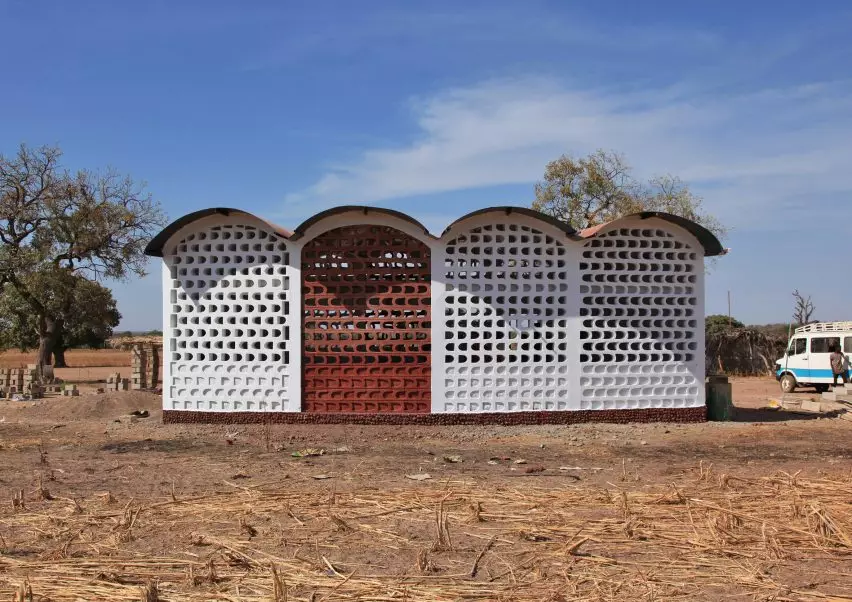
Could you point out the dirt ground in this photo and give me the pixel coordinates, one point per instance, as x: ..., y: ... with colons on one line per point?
x: 100, y: 504
x: 86, y: 367
x: 75, y: 358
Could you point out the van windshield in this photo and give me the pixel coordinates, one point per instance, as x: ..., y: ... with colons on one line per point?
x: 797, y: 346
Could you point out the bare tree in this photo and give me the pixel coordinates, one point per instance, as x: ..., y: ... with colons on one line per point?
x: 804, y: 309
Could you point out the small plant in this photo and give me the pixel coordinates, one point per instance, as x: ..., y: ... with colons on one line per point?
x: 24, y: 593
x: 443, y: 542
x: 150, y: 593
x: 279, y: 587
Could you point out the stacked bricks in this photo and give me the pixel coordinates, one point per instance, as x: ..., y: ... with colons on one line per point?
x: 70, y: 391
x: 12, y: 381
x: 152, y: 367
x: 144, y: 365
x: 31, y: 384
x: 138, y: 364
x: 116, y: 383
x: 5, y: 381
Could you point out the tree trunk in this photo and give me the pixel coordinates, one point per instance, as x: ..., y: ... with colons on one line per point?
x: 59, y: 348
x: 59, y: 357
x: 49, y: 332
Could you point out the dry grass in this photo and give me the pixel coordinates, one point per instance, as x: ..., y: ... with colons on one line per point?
x: 75, y: 358
x: 703, y: 536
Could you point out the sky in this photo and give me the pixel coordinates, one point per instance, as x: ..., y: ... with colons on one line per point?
x: 438, y: 108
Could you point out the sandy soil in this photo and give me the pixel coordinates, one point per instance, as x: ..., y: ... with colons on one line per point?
x: 236, y: 497
x: 75, y: 358
x: 87, y: 367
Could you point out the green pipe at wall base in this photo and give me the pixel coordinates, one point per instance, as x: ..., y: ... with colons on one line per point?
x: 719, y: 398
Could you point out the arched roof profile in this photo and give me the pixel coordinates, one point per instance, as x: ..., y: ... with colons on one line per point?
x: 302, y: 228
x: 509, y: 210
x: 155, y: 247
x: 712, y: 245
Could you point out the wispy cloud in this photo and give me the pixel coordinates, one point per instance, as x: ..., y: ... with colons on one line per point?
x: 504, y: 132
x: 428, y: 31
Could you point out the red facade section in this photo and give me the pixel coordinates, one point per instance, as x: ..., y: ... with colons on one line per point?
x: 367, y: 322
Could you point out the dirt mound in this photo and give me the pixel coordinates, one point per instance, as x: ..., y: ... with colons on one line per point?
x: 84, y: 407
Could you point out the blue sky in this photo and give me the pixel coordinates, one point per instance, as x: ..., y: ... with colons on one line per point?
x: 438, y: 108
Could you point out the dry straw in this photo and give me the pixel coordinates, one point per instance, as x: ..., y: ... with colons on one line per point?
x: 702, y: 536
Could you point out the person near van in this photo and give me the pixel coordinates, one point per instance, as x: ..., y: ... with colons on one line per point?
x: 838, y: 365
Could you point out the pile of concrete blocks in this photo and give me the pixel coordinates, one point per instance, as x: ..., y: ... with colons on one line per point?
x: 116, y: 383
x: 144, y: 365
x: 31, y: 383
x: 11, y: 381
x: 834, y: 403
x: 840, y: 399
x: 70, y: 391
x: 842, y: 393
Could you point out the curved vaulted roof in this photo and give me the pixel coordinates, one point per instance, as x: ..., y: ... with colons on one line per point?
x: 708, y: 240
x: 712, y: 245
x: 508, y: 210
x: 300, y: 230
x: 155, y: 247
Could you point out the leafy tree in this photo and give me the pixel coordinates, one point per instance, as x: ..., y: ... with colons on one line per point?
x: 58, y: 228
x: 592, y: 190
x: 88, y: 323
x: 718, y: 323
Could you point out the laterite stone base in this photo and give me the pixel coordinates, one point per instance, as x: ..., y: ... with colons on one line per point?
x: 507, y: 418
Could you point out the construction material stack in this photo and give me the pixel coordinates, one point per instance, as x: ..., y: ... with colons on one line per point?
x: 152, y: 365
x: 116, y: 383
x: 138, y: 365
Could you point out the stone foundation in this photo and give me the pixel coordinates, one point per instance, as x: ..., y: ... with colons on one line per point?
x: 698, y: 414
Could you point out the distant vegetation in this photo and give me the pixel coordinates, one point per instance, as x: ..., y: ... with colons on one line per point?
x: 734, y: 348
x: 137, y: 333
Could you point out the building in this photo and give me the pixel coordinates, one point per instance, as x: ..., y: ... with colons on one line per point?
x: 361, y: 314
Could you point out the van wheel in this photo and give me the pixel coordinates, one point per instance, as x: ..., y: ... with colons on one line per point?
x: 788, y: 383
x: 821, y: 388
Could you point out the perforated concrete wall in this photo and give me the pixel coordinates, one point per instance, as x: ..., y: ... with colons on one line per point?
x: 229, y: 324
x: 642, y: 320
x: 367, y: 321
x: 505, y: 311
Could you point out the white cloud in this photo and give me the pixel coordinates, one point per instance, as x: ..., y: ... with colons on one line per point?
x: 783, y: 141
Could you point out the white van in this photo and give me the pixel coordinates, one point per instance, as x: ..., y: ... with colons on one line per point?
x: 807, y: 361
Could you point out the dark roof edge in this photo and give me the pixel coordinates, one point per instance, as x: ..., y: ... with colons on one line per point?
x: 712, y: 245
x: 507, y: 209
x: 155, y: 247
x: 300, y: 230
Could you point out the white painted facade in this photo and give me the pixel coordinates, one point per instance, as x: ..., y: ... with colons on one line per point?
x: 504, y: 317
x: 525, y: 317
x: 642, y: 315
x: 230, y: 319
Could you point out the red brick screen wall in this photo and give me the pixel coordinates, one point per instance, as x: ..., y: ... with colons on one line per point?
x: 367, y: 322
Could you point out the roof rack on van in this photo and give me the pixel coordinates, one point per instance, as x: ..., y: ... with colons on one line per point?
x: 825, y: 327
